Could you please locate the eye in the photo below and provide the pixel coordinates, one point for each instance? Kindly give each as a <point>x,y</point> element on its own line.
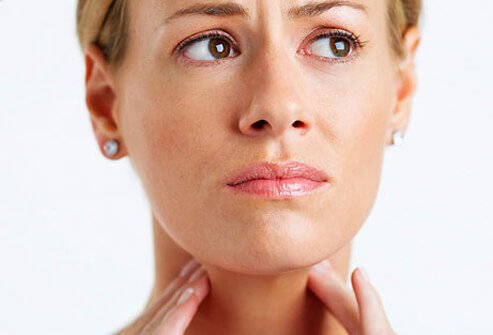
<point>334,45</point>
<point>207,47</point>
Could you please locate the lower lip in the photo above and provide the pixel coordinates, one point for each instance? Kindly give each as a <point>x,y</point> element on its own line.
<point>279,188</point>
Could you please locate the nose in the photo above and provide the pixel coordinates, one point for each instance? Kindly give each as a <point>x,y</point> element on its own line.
<point>277,98</point>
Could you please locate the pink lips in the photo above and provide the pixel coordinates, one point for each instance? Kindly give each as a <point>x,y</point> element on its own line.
<point>272,180</point>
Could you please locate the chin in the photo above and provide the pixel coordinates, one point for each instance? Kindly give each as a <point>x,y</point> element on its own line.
<point>270,264</point>
<point>273,244</point>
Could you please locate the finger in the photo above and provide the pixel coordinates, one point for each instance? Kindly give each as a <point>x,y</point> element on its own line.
<point>192,280</point>
<point>179,317</point>
<point>339,299</point>
<point>186,271</point>
<point>152,309</point>
<point>372,314</point>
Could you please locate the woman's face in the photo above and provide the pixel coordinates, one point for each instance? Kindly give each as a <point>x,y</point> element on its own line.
<point>188,122</point>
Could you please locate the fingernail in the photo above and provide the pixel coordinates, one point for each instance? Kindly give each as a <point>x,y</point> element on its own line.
<point>188,267</point>
<point>323,266</point>
<point>185,296</point>
<point>199,272</point>
<point>364,274</point>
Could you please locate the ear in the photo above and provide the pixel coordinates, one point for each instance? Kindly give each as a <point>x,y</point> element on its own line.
<point>101,100</point>
<point>406,82</point>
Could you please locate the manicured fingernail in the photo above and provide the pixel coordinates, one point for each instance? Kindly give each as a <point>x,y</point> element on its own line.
<point>188,267</point>
<point>199,272</point>
<point>185,296</point>
<point>323,266</point>
<point>364,274</point>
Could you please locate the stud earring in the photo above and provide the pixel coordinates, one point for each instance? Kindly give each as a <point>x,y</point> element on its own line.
<point>397,138</point>
<point>111,147</point>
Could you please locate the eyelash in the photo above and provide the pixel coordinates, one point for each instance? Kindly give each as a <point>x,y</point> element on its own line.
<point>355,40</point>
<point>201,37</point>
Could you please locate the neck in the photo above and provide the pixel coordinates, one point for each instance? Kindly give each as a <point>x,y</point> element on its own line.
<point>250,304</point>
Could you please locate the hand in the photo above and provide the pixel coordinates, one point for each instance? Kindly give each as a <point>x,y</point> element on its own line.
<point>173,311</point>
<point>363,315</point>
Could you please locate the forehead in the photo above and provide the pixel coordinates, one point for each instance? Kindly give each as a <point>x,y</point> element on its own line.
<point>170,11</point>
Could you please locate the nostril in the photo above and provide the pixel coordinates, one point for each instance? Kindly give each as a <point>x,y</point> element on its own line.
<point>298,124</point>
<point>258,124</point>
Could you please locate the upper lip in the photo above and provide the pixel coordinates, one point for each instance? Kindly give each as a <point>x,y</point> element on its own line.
<point>273,171</point>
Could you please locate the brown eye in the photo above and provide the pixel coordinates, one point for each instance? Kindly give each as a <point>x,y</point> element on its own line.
<point>208,48</point>
<point>339,46</point>
<point>331,47</point>
<point>219,48</point>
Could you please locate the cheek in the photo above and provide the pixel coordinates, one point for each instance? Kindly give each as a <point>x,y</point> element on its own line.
<point>168,124</point>
<point>360,146</point>
<point>174,142</point>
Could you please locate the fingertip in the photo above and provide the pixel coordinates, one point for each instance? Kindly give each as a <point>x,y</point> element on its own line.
<point>364,274</point>
<point>360,278</point>
<point>319,272</point>
<point>180,316</point>
<point>364,279</point>
<point>186,295</point>
<point>369,302</point>
<point>329,287</point>
<point>321,267</point>
<point>202,288</point>
<point>189,267</point>
<point>361,287</point>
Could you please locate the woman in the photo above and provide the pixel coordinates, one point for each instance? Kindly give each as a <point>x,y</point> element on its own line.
<point>258,130</point>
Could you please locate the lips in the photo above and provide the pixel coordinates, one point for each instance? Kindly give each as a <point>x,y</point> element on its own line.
<point>272,171</point>
<point>272,180</point>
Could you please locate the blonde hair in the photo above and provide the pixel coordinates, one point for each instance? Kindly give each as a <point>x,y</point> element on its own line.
<point>105,23</point>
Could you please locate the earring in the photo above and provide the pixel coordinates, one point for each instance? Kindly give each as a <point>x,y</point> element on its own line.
<point>397,138</point>
<point>111,147</point>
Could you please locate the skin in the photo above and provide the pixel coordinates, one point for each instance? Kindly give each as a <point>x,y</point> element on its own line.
<point>187,127</point>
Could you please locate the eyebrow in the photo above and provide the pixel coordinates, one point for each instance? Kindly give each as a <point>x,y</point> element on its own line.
<point>316,8</point>
<point>230,9</point>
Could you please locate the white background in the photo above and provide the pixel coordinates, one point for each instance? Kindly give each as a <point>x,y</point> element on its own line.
<point>76,251</point>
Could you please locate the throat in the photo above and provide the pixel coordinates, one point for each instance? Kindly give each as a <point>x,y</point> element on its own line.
<point>243,304</point>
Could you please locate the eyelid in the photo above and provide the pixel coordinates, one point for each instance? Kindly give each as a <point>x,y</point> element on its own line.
<point>355,39</point>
